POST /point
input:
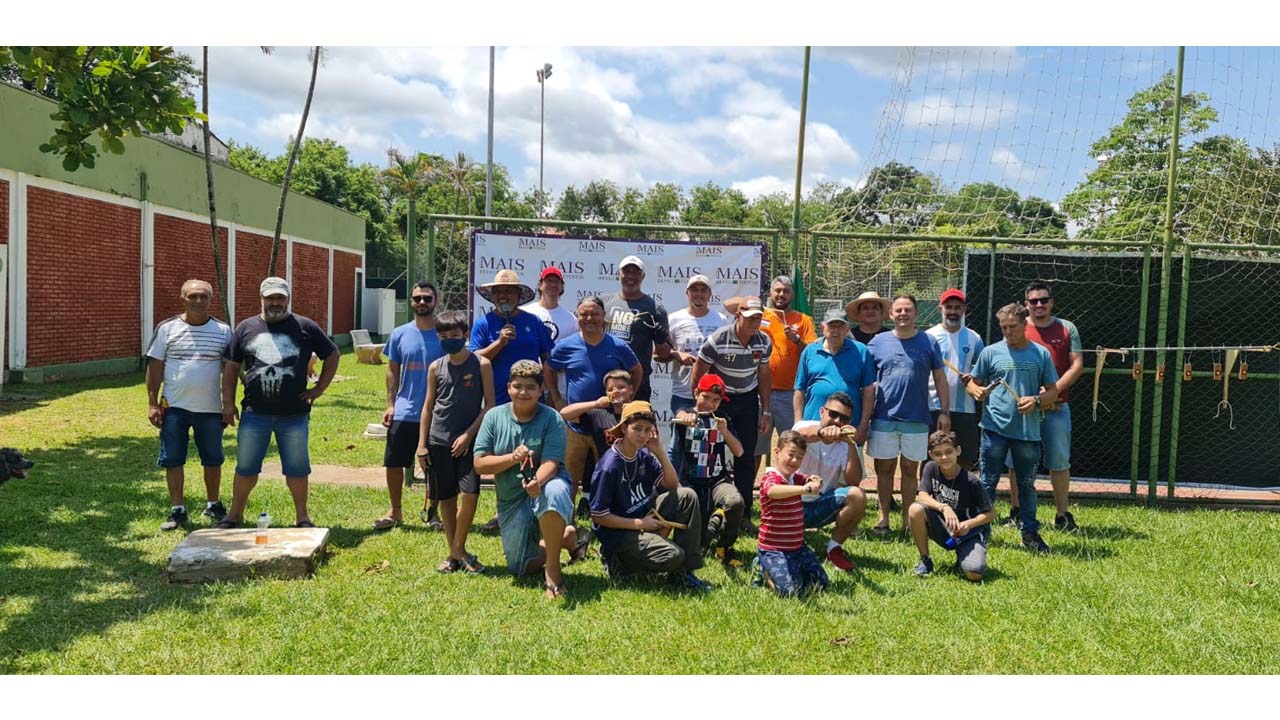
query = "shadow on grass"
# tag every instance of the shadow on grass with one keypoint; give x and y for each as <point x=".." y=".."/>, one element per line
<point x="70" y="548"/>
<point x="16" y="398"/>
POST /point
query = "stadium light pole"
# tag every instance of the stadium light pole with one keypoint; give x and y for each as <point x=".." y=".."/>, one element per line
<point x="488" y="172"/>
<point x="544" y="72"/>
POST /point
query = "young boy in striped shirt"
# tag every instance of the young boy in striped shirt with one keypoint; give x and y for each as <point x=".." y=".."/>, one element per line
<point x="787" y="565"/>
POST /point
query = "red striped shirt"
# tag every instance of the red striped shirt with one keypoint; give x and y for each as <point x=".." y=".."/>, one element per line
<point x="781" y="521"/>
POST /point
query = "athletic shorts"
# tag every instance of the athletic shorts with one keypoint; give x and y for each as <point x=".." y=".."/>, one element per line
<point x="890" y="438"/>
<point x="402" y="445"/>
<point x="968" y="434"/>
<point x="449" y="475"/>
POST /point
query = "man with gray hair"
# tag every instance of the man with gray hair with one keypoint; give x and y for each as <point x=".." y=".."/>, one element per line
<point x="187" y="355"/>
<point x="274" y="349"/>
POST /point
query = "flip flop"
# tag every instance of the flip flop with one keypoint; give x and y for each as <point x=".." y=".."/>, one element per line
<point x="881" y="531"/>
<point x="385" y="523"/>
<point x="449" y="566"/>
<point x="304" y="524"/>
<point x="472" y="564"/>
<point x="556" y="591"/>
<point x="579" y="552"/>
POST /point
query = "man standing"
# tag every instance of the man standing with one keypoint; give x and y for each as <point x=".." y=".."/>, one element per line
<point x="187" y="355"/>
<point x="274" y="348"/>
<point x="411" y="348"/>
<point x="790" y="331"/>
<point x="1062" y="340"/>
<point x="559" y="321"/>
<point x="689" y="329"/>
<point x="638" y="320"/>
<point x="739" y="353"/>
<point x="868" y="311"/>
<point x="583" y="360"/>
<point x="959" y="346"/>
<point x="1015" y="379"/>
<point x="899" y="438"/>
<point x="507" y="334"/>
<point x="837" y="364"/>
<point x="831" y="457"/>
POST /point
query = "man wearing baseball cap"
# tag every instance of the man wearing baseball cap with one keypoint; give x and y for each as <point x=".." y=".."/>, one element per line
<point x="560" y="322"/>
<point x="960" y="347"/>
<point x="690" y="327"/>
<point x="638" y="320"/>
<point x="274" y="349"/>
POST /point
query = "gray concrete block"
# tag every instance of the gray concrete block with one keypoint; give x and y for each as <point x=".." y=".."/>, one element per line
<point x="208" y="555"/>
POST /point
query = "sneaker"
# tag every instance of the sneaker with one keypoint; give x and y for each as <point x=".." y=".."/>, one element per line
<point x="924" y="567"/>
<point x="613" y="570"/>
<point x="215" y="512"/>
<point x="757" y="572"/>
<point x="715" y="530"/>
<point x="688" y="581"/>
<point x="728" y="558"/>
<point x="176" y="519"/>
<point x="491" y="527"/>
<point x="836" y="557"/>
<point x="1034" y="543"/>
<point x="1014" y="520"/>
<point x="1066" y="522"/>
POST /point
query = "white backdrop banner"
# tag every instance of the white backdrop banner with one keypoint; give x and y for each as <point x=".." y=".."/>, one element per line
<point x="590" y="267"/>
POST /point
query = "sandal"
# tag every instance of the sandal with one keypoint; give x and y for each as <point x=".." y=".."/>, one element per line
<point x="881" y="531"/>
<point x="226" y="524"/>
<point x="472" y="564"/>
<point x="304" y="524"/>
<point x="579" y="553"/>
<point x="449" y="566"/>
<point x="556" y="591"/>
<point x="385" y="523"/>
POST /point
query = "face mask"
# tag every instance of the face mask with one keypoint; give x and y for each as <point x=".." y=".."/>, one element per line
<point x="452" y="345"/>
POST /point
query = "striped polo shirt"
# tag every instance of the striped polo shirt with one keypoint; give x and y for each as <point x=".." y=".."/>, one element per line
<point x="736" y="363"/>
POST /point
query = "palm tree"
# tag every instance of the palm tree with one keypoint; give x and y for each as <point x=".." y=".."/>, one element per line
<point x="409" y="176"/>
<point x="462" y="178"/>
<point x="218" y="273"/>
<point x="314" y="56"/>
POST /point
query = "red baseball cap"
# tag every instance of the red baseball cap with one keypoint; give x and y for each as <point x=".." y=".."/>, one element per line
<point x="711" y="383"/>
<point x="952" y="294"/>
<point x="551" y="270"/>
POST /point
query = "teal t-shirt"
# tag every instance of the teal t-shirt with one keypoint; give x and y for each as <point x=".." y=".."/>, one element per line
<point x="500" y="434"/>
<point x="1025" y="370"/>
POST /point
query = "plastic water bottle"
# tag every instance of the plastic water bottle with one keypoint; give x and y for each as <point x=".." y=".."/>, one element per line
<point x="264" y="521"/>
<point x="951" y="542"/>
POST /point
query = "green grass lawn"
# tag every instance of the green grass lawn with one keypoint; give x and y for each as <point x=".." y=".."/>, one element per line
<point x="82" y="560"/>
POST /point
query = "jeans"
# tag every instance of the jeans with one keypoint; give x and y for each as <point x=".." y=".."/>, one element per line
<point x="518" y="522"/>
<point x="207" y="428"/>
<point x="291" y="441"/>
<point x="1026" y="457"/>
<point x="743" y="413"/>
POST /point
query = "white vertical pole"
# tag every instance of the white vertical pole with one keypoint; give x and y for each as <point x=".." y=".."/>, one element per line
<point x="231" y="273"/>
<point x="328" y="315"/>
<point x="148" y="274"/>
<point x="488" y="174"/>
<point x="18" y="273"/>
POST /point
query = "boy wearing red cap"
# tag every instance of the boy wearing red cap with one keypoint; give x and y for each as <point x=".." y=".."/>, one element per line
<point x="699" y="450"/>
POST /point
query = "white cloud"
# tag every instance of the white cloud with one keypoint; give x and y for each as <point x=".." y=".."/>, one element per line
<point x="975" y="110"/>
<point x="764" y="185"/>
<point x="944" y="152"/>
<point x="1013" y="168"/>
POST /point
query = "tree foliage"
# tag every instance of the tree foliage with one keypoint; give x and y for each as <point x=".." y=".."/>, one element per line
<point x="107" y="91"/>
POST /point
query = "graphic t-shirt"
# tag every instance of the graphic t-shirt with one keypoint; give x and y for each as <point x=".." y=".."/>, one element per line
<point x="639" y="323"/>
<point x="1060" y="338"/>
<point x="192" y="356"/>
<point x="1025" y="369"/>
<point x="274" y="358"/>
<point x="625" y="488"/>
<point x="824" y="460"/>
<point x="500" y="433"/>
<point x="963" y="493"/>
<point x="559" y="321"/>
<point x="531" y="342"/>
<point x="687" y="335"/>
<point x="584" y="365"/>
<point x="413" y="350"/>
<point x="781" y="521"/>
<point x="820" y="374"/>
<point x="902" y="376"/>
<point x="961" y="349"/>
<point x="786" y="354"/>
<point x="700" y="454"/>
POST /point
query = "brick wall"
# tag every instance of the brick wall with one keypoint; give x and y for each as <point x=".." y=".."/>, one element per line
<point x="253" y="253"/>
<point x="311" y="282"/>
<point x="84" y="290"/>
<point x="344" y="291"/>
<point x="183" y="252"/>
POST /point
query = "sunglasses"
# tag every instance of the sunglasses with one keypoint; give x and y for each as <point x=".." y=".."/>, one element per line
<point x="1039" y="301"/>
<point x="422" y="299"/>
<point x="836" y="415"/>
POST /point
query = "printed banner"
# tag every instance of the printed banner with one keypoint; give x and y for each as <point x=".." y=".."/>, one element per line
<point x="590" y="267"/>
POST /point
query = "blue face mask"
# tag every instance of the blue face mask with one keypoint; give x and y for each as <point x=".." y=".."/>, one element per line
<point x="452" y="345"/>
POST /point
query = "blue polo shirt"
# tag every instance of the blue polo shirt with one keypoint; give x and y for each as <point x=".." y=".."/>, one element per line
<point x="820" y="374"/>
<point x="585" y="365"/>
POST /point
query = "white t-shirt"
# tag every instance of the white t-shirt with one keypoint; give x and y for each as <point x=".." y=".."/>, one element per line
<point x="687" y="334"/>
<point x="192" y="356"/>
<point x="560" y="322"/>
<point x="960" y="349"/>
<point x="824" y="461"/>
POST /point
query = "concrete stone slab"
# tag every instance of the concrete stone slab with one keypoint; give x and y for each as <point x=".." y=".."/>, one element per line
<point x="208" y="555"/>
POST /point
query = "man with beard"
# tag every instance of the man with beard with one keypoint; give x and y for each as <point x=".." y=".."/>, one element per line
<point x="638" y="320"/>
<point x="274" y="349"/>
<point x="959" y="346"/>
<point x="790" y="331"/>
<point x="689" y="328"/>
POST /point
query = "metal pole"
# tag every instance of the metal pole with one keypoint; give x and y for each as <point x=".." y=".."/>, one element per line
<point x="1135" y="445"/>
<point x="542" y="112"/>
<point x="488" y="172"/>
<point x="1176" y="413"/>
<point x="431" y="249"/>
<point x="411" y="253"/>
<point x="795" y="208"/>
<point x="991" y="295"/>
<point x="1166" y="271"/>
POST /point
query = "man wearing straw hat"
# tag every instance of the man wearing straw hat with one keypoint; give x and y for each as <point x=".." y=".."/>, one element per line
<point x="867" y="312"/>
<point x="506" y="334"/>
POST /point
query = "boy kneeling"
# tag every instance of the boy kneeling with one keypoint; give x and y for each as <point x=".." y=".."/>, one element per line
<point x="786" y="564"/>
<point x="699" y="450"/>
<point x="632" y="519"/>
<point x="948" y="493"/>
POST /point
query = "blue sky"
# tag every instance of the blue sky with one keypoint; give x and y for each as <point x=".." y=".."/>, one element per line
<point x="1023" y="117"/>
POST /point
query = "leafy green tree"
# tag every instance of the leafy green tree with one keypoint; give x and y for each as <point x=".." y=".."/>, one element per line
<point x="711" y="204"/>
<point x="896" y="197"/>
<point x="658" y="206"/>
<point x="110" y="91"/>
<point x="989" y="210"/>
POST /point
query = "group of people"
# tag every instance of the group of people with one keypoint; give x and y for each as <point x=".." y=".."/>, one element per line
<point x="555" y="408"/>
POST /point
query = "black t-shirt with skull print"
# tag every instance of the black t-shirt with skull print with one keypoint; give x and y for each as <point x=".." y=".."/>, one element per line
<point x="273" y="358"/>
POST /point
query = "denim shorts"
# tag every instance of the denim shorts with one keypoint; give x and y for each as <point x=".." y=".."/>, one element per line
<point x="207" y="428"/>
<point x="518" y="522"/>
<point x="291" y="440"/>
<point x="823" y="510"/>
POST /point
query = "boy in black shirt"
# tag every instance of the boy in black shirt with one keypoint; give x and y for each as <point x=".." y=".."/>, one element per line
<point x="952" y="508"/>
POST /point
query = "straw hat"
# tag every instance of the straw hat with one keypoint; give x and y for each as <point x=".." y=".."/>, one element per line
<point x="631" y="408"/>
<point x="506" y="278"/>
<point x="852" y="308"/>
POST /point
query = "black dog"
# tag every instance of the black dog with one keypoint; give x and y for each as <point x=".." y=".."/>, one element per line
<point x="13" y="465"/>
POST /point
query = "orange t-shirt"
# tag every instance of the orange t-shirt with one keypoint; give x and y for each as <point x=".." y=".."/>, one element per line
<point x="786" y="354"/>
